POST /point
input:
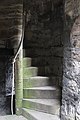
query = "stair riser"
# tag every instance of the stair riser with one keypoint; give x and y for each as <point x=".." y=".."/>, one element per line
<point x="40" y="94"/>
<point x="26" y="62"/>
<point x="35" y="83"/>
<point x="42" y="107"/>
<point x="32" y="82"/>
<point x="29" y="72"/>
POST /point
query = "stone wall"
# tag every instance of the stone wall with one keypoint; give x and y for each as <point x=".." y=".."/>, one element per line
<point x="44" y="36"/>
<point x="4" y="104"/>
<point x="8" y="88"/>
<point x="9" y="77"/>
<point x="10" y="35"/>
<point x="10" y="23"/>
<point x="70" y="109"/>
<point x="72" y="8"/>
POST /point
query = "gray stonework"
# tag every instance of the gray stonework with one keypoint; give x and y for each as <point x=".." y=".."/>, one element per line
<point x="10" y="23"/>
<point x="3" y="108"/>
<point x="70" y="109"/>
<point x="5" y="86"/>
<point x="71" y="73"/>
<point x="10" y="35"/>
<point x="9" y="76"/>
<point x="72" y="8"/>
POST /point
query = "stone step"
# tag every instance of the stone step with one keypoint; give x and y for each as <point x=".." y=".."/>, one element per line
<point x="30" y="72"/>
<point x="44" y="71"/>
<point x="36" y="81"/>
<point x="42" y="81"/>
<point x="12" y="117"/>
<point x="35" y="115"/>
<point x="46" y="92"/>
<point x="26" y="62"/>
<point x="51" y="106"/>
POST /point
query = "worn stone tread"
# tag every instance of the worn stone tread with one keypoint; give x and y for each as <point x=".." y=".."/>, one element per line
<point x="50" y="106"/>
<point x="12" y="117"/>
<point x="50" y="102"/>
<point x="36" y="81"/>
<point x="35" y="115"/>
<point x="43" y="88"/>
<point x="46" y="92"/>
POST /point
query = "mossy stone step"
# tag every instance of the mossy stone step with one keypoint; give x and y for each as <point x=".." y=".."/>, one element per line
<point x="36" y="81"/>
<point x="46" y="92"/>
<point x="25" y="73"/>
<point x="51" y="106"/>
<point x="36" y="115"/>
<point x="12" y="117"/>
<point x="30" y="72"/>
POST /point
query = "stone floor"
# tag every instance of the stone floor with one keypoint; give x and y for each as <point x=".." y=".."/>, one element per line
<point x="12" y="117"/>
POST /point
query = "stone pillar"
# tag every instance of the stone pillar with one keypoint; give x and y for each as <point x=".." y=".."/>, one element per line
<point x="19" y="83"/>
<point x="18" y="63"/>
<point x="70" y="109"/>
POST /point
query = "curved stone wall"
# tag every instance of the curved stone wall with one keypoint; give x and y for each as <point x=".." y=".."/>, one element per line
<point x="10" y="35"/>
<point x="10" y="23"/>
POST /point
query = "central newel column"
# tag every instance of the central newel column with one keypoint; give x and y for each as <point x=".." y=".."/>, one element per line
<point x="19" y="83"/>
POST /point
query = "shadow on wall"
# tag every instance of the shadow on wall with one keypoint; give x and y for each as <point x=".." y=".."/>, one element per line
<point x="68" y="25"/>
<point x="8" y="87"/>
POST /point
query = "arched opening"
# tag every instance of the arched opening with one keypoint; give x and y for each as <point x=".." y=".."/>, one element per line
<point x="44" y="37"/>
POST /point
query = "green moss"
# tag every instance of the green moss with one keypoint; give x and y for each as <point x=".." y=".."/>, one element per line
<point x="19" y="93"/>
<point x="27" y="83"/>
<point x="26" y="104"/>
<point x="29" y="72"/>
<point x="26" y="72"/>
<point x="27" y="94"/>
<point x="18" y="111"/>
<point x="19" y="85"/>
<point x="18" y="103"/>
